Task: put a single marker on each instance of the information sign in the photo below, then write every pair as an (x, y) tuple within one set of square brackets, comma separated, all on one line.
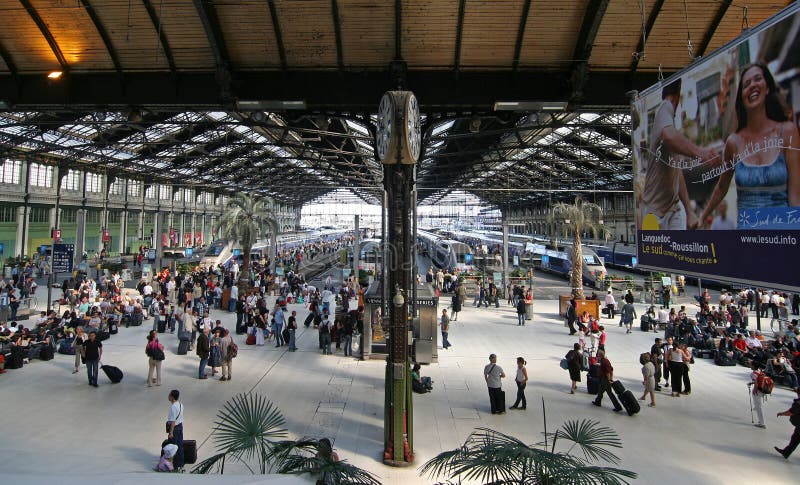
[(63, 257)]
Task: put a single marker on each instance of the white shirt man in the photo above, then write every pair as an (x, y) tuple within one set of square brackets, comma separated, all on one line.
[(147, 290), (752, 341), (234, 292), (663, 315)]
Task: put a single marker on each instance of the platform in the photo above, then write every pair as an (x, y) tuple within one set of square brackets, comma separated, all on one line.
[(55, 424)]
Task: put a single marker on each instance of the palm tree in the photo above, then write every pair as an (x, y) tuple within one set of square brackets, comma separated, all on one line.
[(315, 457), (574, 220), (246, 431), (246, 218), (492, 457)]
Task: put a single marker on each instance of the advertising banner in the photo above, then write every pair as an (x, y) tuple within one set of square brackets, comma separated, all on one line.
[(187, 239), (716, 156)]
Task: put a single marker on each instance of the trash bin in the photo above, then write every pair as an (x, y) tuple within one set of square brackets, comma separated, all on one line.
[(529, 310)]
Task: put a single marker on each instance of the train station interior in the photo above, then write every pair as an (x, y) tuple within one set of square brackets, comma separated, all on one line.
[(494, 159)]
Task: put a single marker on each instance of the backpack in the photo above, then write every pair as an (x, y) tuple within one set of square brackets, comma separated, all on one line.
[(764, 383), (233, 350)]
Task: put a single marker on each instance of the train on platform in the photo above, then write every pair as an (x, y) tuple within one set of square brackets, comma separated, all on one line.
[(370, 256), (448, 254), (222, 251), (550, 258)]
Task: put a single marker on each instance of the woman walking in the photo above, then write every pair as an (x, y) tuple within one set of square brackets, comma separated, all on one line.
[(649, 378), (216, 351), (155, 354), (522, 380), (575, 366), (456, 304), (77, 345)]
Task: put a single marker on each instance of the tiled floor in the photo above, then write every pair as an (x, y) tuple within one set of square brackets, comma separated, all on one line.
[(54, 423)]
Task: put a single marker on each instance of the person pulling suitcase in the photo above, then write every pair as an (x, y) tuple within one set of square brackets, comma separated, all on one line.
[(606, 378)]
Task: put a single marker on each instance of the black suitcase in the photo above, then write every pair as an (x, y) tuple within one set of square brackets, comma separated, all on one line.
[(113, 373), (162, 325), (14, 360), (724, 360), (309, 319), (626, 398), (645, 321), (112, 328), (190, 452), (136, 319), (101, 336), (46, 353), (66, 347), (183, 347), (592, 385)]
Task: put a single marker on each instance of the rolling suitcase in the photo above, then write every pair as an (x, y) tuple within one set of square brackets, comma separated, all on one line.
[(183, 347), (626, 398), (112, 328), (113, 373), (645, 321), (592, 385), (162, 325), (251, 340), (101, 336), (190, 452)]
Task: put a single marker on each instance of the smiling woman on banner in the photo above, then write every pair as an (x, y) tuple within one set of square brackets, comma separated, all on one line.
[(763, 152)]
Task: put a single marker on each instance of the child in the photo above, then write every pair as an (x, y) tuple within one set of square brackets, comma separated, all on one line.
[(582, 337), (167, 454), (602, 345), (648, 374)]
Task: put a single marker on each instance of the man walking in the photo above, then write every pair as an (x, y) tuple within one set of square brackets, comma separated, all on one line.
[(277, 327), (292, 329), (175, 427), (794, 418), (445, 323), (493, 373), (756, 396), (606, 378), (92, 353), (203, 351), (628, 314)]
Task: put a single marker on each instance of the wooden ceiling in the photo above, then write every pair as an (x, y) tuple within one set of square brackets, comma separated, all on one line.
[(568, 39)]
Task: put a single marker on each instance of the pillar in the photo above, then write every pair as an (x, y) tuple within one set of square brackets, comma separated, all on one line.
[(158, 228), (505, 251), (21, 245), (356, 247), (80, 236), (123, 231)]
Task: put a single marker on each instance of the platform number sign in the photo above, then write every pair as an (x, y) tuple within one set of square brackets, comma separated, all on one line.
[(63, 256)]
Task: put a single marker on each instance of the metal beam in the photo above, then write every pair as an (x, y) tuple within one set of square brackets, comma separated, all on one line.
[(648, 27), (276, 26), (523, 21), (103, 35), (583, 46), (208, 16), (9, 61), (46, 33), (721, 11), (345, 91), (162, 37), (462, 5), (337, 30)]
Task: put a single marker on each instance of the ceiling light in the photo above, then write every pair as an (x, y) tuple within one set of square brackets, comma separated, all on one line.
[(269, 105), (530, 105), (55, 74)]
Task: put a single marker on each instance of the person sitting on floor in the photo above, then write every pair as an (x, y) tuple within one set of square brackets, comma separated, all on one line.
[(420, 384)]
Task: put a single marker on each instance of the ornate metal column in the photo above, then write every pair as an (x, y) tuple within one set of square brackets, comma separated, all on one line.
[(398, 143)]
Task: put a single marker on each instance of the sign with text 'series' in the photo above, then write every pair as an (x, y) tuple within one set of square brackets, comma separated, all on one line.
[(63, 256), (716, 155)]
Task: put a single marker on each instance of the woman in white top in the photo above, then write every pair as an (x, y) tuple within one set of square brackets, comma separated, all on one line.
[(675, 359), (522, 380)]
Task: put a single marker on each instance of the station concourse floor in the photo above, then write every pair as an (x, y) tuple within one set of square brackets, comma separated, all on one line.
[(56, 427)]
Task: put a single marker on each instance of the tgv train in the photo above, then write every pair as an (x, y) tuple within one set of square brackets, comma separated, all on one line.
[(371, 254), (617, 254), (558, 261), (222, 251), (445, 253)]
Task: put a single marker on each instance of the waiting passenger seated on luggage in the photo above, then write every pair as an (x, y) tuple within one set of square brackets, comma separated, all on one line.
[(780, 368)]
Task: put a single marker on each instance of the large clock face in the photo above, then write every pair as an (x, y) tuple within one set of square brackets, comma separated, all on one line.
[(413, 135), (383, 136)]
